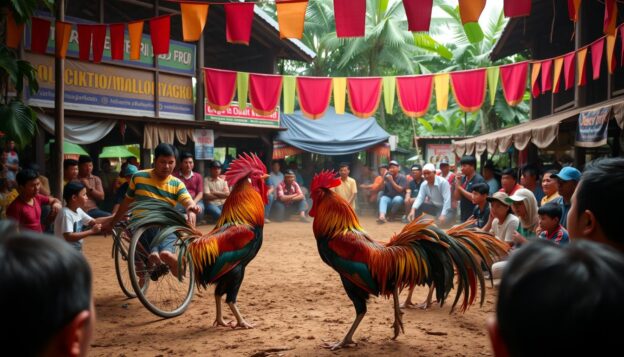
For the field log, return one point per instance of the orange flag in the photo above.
(193, 20)
(535, 71)
(135, 29)
(470, 11)
(610, 56)
(14, 32)
(581, 56)
(610, 17)
(62, 30)
(573, 7)
(290, 17)
(557, 75)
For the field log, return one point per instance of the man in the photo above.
(289, 199)
(26, 208)
(463, 185)
(568, 178)
(481, 212)
(550, 186)
(509, 183)
(12, 160)
(295, 168)
(592, 214)
(46, 289)
(376, 186)
(445, 171)
(530, 180)
(348, 186)
(275, 178)
(192, 180)
(412, 190)
(489, 175)
(93, 184)
(158, 184)
(216, 190)
(133, 161)
(70, 170)
(438, 191)
(395, 184)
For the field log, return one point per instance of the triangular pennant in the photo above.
(291, 18)
(14, 32)
(117, 41)
(39, 35)
(610, 17)
(264, 92)
(597, 48)
(470, 11)
(389, 89)
(62, 31)
(441, 90)
(517, 8)
(514, 79)
(558, 66)
(581, 56)
(242, 89)
(418, 14)
(85, 32)
(568, 69)
(364, 95)
(135, 32)
(350, 17)
(415, 94)
(492, 78)
(546, 75)
(314, 94)
(340, 92)
(535, 71)
(573, 7)
(289, 94)
(220, 86)
(193, 20)
(160, 33)
(469, 89)
(238, 22)
(99, 37)
(610, 53)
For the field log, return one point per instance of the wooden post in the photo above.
(59, 115)
(156, 72)
(200, 166)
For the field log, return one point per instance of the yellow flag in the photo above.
(557, 75)
(340, 91)
(135, 29)
(441, 82)
(581, 56)
(193, 20)
(610, 58)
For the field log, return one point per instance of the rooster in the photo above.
(420, 254)
(220, 257)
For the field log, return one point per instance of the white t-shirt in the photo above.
(69, 221)
(504, 231)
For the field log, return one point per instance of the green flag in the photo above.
(492, 78)
(389, 88)
(289, 94)
(242, 84)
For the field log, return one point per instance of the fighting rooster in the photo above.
(420, 254)
(220, 257)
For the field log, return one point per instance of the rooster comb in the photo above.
(325, 179)
(244, 165)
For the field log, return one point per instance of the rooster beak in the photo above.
(265, 176)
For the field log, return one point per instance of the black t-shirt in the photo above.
(481, 216)
(466, 204)
(415, 187)
(389, 189)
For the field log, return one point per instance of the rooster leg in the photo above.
(427, 303)
(398, 322)
(219, 319)
(408, 302)
(358, 297)
(348, 339)
(240, 322)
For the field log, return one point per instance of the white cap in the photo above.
(429, 167)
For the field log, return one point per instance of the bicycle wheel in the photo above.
(121, 246)
(166, 295)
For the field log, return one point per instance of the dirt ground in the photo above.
(296, 303)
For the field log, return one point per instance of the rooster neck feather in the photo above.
(243, 206)
(335, 216)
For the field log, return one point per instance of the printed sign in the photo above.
(592, 128)
(434, 153)
(236, 116)
(204, 144)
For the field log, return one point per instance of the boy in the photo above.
(549, 217)
(26, 208)
(481, 212)
(72, 218)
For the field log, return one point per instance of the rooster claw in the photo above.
(339, 345)
(241, 324)
(221, 322)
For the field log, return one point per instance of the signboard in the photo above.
(236, 116)
(104, 88)
(592, 127)
(434, 153)
(204, 144)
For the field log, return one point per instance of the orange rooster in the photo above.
(420, 254)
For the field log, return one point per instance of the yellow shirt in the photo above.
(5, 201)
(347, 190)
(547, 199)
(144, 186)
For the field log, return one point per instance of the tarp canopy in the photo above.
(68, 148)
(333, 134)
(116, 152)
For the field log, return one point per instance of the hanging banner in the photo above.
(234, 115)
(438, 152)
(204, 144)
(592, 127)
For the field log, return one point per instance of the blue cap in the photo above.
(130, 170)
(568, 174)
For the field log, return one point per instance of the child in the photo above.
(504, 223)
(481, 212)
(549, 216)
(72, 218)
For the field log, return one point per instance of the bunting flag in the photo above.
(415, 94)
(350, 17)
(242, 88)
(220, 85)
(314, 95)
(39, 35)
(291, 17)
(84, 41)
(573, 7)
(364, 95)
(597, 48)
(517, 8)
(193, 20)
(418, 14)
(469, 89)
(581, 56)
(117, 41)
(535, 71)
(514, 78)
(441, 90)
(492, 78)
(62, 31)
(238, 22)
(568, 70)
(470, 11)
(160, 32)
(14, 32)
(340, 92)
(558, 64)
(289, 94)
(264, 92)
(135, 31)
(610, 17)
(610, 54)
(389, 89)
(546, 75)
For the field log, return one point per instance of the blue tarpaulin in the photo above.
(333, 134)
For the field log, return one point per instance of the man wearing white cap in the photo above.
(438, 191)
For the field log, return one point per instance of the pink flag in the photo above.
(568, 69)
(364, 95)
(469, 89)
(220, 86)
(546, 75)
(264, 92)
(597, 48)
(350, 17)
(238, 22)
(418, 14)
(514, 79)
(314, 95)
(415, 94)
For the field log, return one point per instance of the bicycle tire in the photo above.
(121, 260)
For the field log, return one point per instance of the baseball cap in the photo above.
(289, 173)
(416, 167)
(500, 197)
(393, 162)
(568, 173)
(130, 170)
(215, 163)
(444, 162)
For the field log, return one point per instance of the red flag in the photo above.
(160, 30)
(364, 95)
(514, 79)
(84, 41)
(597, 48)
(314, 95)
(264, 92)
(546, 76)
(418, 14)
(469, 89)
(220, 86)
(517, 8)
(39, 35)
(610, 17)
(573, 7)
(99, 36)
(350, 17)
(568, 69)
(414, 94)
(117, 41)
(535, 72)
(238, 22)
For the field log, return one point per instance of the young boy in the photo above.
(549, 216)
(26, 208)
(481, 212)
(72, 218)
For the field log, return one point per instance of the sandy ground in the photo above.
(294, 299)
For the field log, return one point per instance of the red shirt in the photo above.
(28, 216)
(194, 184)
